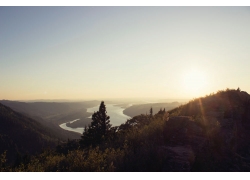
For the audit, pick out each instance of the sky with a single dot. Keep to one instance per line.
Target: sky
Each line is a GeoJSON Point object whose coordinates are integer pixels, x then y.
{"type": "Point", "coordinates": [122, 52]}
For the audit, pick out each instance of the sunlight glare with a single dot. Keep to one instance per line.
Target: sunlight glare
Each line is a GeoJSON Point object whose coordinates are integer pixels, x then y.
{"type": "Point", "coordinates": [195, 82]}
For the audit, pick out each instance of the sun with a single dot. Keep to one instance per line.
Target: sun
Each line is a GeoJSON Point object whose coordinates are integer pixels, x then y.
{"type": "Point", "coordinates": [195, 82]}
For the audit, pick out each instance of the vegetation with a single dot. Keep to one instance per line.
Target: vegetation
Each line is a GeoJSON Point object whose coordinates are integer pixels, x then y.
{"type": "Point", "coordinates": [207, 134]}
{"type": "Point", "coordinates": [151, 111]}
{"type": "Point", "coordinates": [99, 128]}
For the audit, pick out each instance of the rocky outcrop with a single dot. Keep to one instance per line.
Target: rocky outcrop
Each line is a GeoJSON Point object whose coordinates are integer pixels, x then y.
{"type": "Point", "coordinates": [184, 139]}
{"type": "Point", "coordinates": [179, 158]}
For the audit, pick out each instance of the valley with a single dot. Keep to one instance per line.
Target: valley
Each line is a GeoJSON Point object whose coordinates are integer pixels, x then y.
{"type": "Point", "coordinates": [57, 115]}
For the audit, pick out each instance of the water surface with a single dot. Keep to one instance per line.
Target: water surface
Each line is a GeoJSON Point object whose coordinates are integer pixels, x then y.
{"type": "Point", "coordinates": [114, 112]}
{"type": "Point", "coordinates": [65, 127]}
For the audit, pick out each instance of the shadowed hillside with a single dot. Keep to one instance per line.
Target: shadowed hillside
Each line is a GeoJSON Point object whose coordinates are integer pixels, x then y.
{"type": "Point", "coordinates": [224, 119]}
{"type": "Point", "coordinates": [22, 135]}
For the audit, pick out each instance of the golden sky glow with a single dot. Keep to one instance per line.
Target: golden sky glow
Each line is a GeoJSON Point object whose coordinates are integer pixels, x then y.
{"type": "Point", "coordinates": [122, 52]}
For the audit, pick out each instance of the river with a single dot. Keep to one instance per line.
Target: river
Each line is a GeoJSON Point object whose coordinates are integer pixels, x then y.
{"type": "Point", "coordinates": [65, 127]}
{"type": "Point", "coordinates": [114, 112]}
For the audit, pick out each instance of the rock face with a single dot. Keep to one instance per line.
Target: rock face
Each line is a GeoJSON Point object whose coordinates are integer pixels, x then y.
{"type": "Point", "coordinates": [184, 139]}
{"type": "Point", "coordinates": [180, 158]}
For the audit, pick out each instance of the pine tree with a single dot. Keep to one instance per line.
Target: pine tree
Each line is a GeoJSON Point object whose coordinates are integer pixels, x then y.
{"type": "Point", "coordinates": [151, 111]}
{"type": "Point", "coordinates": [98, 130]}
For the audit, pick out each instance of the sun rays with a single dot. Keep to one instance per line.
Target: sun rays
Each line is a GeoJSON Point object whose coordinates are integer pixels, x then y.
{"type": "Point", "coordinates": [194, 82]}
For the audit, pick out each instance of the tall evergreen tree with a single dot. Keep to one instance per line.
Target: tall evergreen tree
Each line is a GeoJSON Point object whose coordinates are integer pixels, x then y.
{"type": "Point", "coordinates": [151, 111]}
{"type": "Point", "coordinates": [98, 130]}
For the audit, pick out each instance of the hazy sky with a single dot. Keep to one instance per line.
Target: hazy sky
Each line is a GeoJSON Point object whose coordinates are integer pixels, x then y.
{"type": "Point", "coordinates": [122, 52]}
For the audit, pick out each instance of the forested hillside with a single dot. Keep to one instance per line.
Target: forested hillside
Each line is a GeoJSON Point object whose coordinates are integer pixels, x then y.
{"type": "Point", "coordinates": [20, 135]}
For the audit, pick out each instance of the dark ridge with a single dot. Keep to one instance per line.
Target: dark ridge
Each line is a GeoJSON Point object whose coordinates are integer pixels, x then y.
{"type": "Point", "coordinates": [22, 135]}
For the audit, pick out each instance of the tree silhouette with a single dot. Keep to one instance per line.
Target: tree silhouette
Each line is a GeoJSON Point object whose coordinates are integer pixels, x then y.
{"type": "Point", "coordinates": [151, 111]}
{"type": "Point", "coordinates": [161, 111]}
{"type": "Point", "coordinates": [98, 130]}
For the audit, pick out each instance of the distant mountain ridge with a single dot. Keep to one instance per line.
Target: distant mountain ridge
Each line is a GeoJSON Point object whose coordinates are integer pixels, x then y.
{"type": "Point", "coordinates": [47, 110]}
{"type": "Point", "coordinates": [51, 114]}
{"type": "Point", "coordinates": [144, 108]}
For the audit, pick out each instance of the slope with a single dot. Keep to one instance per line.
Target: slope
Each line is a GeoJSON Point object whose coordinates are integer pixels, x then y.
{"type": "Point", "coordinates": [22, 135]}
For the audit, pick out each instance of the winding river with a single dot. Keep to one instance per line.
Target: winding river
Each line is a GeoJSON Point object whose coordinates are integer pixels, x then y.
{"type": "Point", "coordinates": [114, 112]}
{"type": "Point", "coordinates": [65, 127]}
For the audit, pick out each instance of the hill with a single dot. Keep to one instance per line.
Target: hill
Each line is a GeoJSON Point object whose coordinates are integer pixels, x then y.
{"type": "Point", "coordinates": [224, 122]}
{"type": "Point", "coordinates": [22, 135]}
